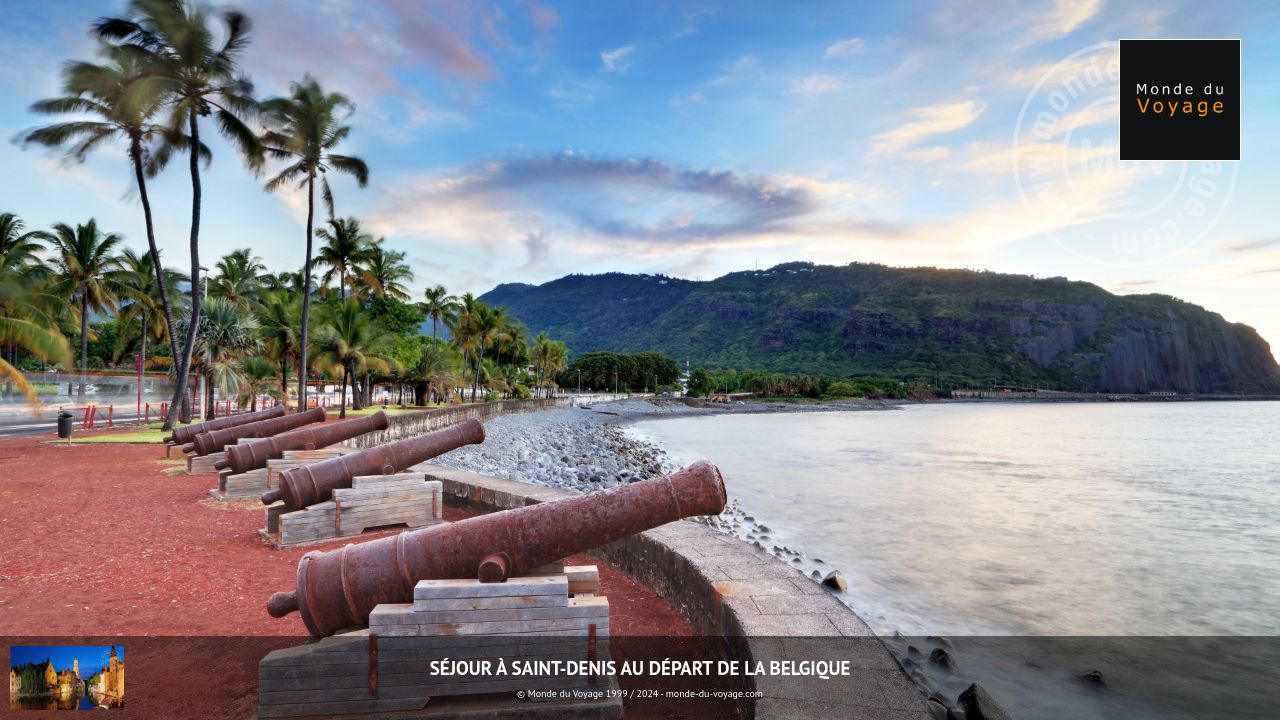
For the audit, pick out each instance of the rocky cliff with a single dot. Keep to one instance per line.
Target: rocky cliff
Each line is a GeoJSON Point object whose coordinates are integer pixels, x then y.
{"type": "Point", "coordinates": [956, 326]}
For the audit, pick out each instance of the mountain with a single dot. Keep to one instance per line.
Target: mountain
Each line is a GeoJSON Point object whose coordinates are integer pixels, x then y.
{"type": "Point", "coordinates": [964, 327]}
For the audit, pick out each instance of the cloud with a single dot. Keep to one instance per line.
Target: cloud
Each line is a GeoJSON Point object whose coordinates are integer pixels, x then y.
{"type": "Point", "coordinates": [616, 60]}
{"type": "Point", "coordinates": [930, 120]}
{"type": "Point", "coordinates": [818, 84]}
{"type": "Point", "coordinates": [538, 247]}
{"type": "Point", "coordinates": [844, 48]}
{"type": "Point", "coordinates": [1250, 245]}
{"type": "Point", "coordinates": [1064, 18]}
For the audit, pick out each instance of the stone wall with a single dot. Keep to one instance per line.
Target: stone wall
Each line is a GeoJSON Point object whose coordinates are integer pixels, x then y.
{"type": "Point", "coordinates": [761, 607]}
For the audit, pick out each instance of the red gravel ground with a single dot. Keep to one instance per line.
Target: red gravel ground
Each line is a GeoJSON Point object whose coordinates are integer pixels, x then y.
{"type": "Point", "coordinates": [110, 540]}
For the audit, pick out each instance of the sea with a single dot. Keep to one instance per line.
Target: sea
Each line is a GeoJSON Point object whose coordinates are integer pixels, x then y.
{"type": "Point", "coordinates": [1036, 543]}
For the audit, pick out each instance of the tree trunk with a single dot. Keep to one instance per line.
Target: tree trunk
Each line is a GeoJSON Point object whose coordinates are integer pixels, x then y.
{"type": "Point", "coordinates": [342, 286]}
{"type": "Point", "coordinates": [188, 345]}
{"type": "Point", "coordinates": [210, 411]}
{"type": "Point", "coordinates": [306, 295]}
{"type": "Point", "coordinates": [284, 377]}
{"type": "Point", "coordinates": [135, 151]}
{"type": "Point", "coordinates": [342, 411]}
{"type": "Point", "coordinates": [84, 339]}
{"type": "Point", "coordinates": [350, 372]}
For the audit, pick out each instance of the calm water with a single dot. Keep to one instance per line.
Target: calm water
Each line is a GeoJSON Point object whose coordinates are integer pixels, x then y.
{"type": "Point", "coordinates": [1021, 519]}
{"type": "Point", "coordinates": [1034, 535]}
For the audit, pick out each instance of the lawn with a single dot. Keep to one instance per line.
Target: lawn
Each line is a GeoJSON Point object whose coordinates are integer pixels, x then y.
{"type": "Point", "coordinates": [149, 435]}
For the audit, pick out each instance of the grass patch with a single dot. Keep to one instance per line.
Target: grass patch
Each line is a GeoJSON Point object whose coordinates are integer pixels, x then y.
{"type": "Point", "coordinates": [390, 410]}
{"type": "Point", "coordinates": [137, 436]}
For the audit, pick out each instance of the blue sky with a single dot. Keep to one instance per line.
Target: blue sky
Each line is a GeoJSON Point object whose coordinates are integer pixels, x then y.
{"type": "Point", "coordinates": [92, 657]}
{"type": "Point", "coordinates": [522, 141]}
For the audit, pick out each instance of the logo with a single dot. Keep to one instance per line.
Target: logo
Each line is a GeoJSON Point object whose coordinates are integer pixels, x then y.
{"type": "Point", "coordinates": [1071, 177]}
{"type": "Point", "coordinates": [1179, 99]}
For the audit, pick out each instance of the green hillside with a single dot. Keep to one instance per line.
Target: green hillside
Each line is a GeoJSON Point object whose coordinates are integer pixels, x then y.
{"type": "Point", "coordinates": [964, 327]}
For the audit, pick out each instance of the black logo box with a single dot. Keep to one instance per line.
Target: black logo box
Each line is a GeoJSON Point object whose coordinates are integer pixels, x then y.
{"type": "Point", "coordinates": [1187, 68]}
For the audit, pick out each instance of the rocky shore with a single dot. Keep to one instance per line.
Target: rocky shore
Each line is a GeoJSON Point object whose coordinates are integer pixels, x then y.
{"type": "Point", "coordinates": [584, 449]}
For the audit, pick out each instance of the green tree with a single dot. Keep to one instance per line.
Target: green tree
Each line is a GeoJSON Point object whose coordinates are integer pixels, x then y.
{"type": "Point", "coordinates": [382, 273]}
{"type": "Point", "coordinates": [436, 371]}
{"type": "Point", "coordinates": [125, 105]}
{"type": "Point", "coordinates": [350, 340]}
{"type": "Point", "coordinates": [198, 78]}
{"type": "Point", "coordinates": [303, 130]}
{"type": "Point", "coordinates": [439, 306]}
{"type": "Point", "coordinates": [700, 384]}
{"type": "Point", "coordinates": [87, 271]}
{"type": "Point", "coordinates": [279, 315]}
{"type": "Point", "coordinates": [239, 278]}
{"type": "Point", "coordinates": [345, 248]}
{"type": "Point", "coordinates": [24, 325]}
{"type": "Point", "coordinates": [259, 374]}
{"type": "Point", "coordinates": [141, 316]}
{"type": "Point", "coordinates": [226, 333]}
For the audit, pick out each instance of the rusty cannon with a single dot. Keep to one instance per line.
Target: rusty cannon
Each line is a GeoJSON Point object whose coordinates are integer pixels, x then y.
{"type": "Point", "coordinates": [338, 589]}
{"type": "Point", "coordinates": [211, 442]}
{"type": "Point", "coordinates": [253, 455]}
{"type": "Point", "coordinates": [184, 434]}
{"type": "Point", "coordinates": [311, 484]}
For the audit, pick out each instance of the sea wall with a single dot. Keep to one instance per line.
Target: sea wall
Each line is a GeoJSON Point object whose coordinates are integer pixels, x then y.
{"type": "Point", "coordinates": [760, 607]}
{"type": "Point", "coordinates": [428, 419]}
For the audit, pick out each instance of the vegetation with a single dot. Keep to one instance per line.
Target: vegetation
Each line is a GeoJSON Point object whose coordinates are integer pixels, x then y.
{"type": "Point", "coordinates": [614, 371]}
{"type": "Point", "coordinates": [944, 328]}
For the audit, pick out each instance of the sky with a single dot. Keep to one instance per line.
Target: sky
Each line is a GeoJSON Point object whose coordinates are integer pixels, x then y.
{"type": "Point", "coordinates": [522, 141]}
{"type": "Point", "coordinates": [92, 657]}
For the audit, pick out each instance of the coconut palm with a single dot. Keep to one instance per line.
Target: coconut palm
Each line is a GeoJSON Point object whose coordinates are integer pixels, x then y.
{"type": "Point", "coordinates": [259, 375]}
{"type": "Point", "coordinates": [279, 314]}
{"type": "Point", "coordinates": [384, 272]}
{"type": "Point", "coordinates": [19, 262]}
{"type": "Point", "coordinates": [139, 302]}
{"type": "Point", "coordinates": [439, 306]}
{"type": "Point", "coordinates": [23, 325]}
{"type": "Point", "coordinates": [198, 77]}
{"type": "Point", "coordinates": [239, 277]}
{"type": "Point", "coordinates": [343, 251]}
{"type": "Point", "coordinates": [350, 340]}
{"type": "Point", "coordinates": [87, 271]}
{"type": "Point", "coordinates": [225, 334]}
{"type": "Point", "coordinates": [124, 105]}
{"type": "Point", "coordinates": [304, 129]}
{"type": "Point", "coordinates": [20, 249]}
{"type": "Point", "coordinates": [549, 357]}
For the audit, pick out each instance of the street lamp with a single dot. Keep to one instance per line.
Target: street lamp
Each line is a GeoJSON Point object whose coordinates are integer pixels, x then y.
{"type": "Point", "coordinates": [205, 270]}
{"type": "Point", "coordinates": [579, 381]}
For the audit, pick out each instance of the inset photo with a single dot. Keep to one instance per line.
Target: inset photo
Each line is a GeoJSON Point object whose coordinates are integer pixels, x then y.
{"type": "Point", "coordinates": [66, 677]}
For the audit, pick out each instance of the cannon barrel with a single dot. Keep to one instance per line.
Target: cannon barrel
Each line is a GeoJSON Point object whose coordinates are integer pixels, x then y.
{"type": "Point", "coordinates": [253, 455]}
{"type": "Point", "coordinates": [183, 434]}
{"type": "Point", "coordinates": [215, 441]}
{"type": "Point", "coordinates": [339, 588]}
{"type": "Point", "coordinates": [314, 483]}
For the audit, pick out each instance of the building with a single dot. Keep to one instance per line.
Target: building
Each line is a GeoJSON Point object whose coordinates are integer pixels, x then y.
{"type": "Point", "coordinates": [111, 679]}
{"type": "Point", "coordinates": [50, 675]}
{"type": "Point", "coordinates": [15, 682]}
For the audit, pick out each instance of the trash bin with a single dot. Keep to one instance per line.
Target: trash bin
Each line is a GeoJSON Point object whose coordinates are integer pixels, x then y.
{"type": "Point", "coordinates": [64, 425]}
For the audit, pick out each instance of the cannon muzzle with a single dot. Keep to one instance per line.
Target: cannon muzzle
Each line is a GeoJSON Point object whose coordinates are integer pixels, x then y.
{"type": "Point", "coordinates": [215, 441]}
{"type": "Point", "coordinates": [185, 433]}
{"type": "Point", "coordinates": [314, 483]}
{"type": "Point", "coordinates": [339, 588]}
{"type": "Point", "coordinates": [253, 455]}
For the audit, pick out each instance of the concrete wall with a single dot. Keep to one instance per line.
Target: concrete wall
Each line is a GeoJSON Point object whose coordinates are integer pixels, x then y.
{"type": "Point", "coordinates": [762, 608]}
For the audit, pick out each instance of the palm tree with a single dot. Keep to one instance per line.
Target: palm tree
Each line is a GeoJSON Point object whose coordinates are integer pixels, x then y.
{"type": "Point", "coordinates": [304, 129]}
{"type": "Point", "coordinates": [383, 272]}
{"type": "Point", "coordinates": [435, 373]}
{"type": "Point", "coordinates": [278, 317]}
{"type": "Point", "coordinates": [549, 357]}
{"type": "Point", "coordinates": [197, 78]}
{"type": "Point", "coordinates": [259, 374]}
{"type": "Point", "coordinates": [439, 306]}
{"type": "Point", "coordinates": [239, 277]}
{"type": "Point", "coordinates": [20, 249]}
{"type": "Point", "coordinates": [87, 271]}
{"type": "Point", "coordinates": [139, 294]}
{"type": "Point", "coordinates": [343, 252]}
{"type": "Point", "coordinates": [225, 334]}
{"type": "Point", "coordinates": [24, 325]}
{"type": "Point", "coordinates": [19, 262]}
{"type": "Point", "coordinates": [352, 341]}
{"type": "Point", "coordinates": [465, 329]}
